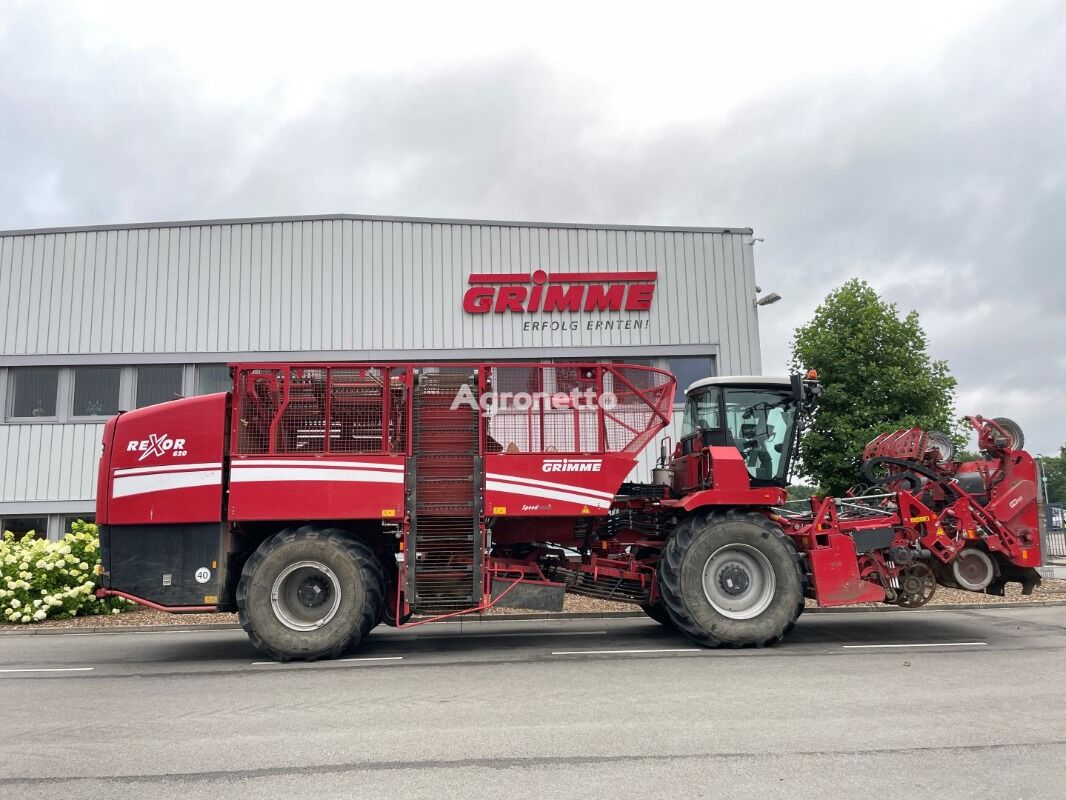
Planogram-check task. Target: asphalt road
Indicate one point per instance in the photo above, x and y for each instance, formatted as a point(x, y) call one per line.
point(970, 704)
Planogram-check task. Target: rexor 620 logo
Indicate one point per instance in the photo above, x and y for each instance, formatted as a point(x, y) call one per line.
point(157, 444)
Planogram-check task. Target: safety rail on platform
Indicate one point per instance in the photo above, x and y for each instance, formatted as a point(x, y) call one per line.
point(365, 409)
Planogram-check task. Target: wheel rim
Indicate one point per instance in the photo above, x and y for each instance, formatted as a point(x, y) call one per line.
point(305, 596)
point(973, 570)
point(738, 581)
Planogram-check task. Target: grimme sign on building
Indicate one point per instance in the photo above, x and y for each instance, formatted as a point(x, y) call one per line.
point(561, 292)
point(111, 317)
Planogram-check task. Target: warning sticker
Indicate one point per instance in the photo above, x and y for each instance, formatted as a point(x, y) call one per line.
point(498, 510)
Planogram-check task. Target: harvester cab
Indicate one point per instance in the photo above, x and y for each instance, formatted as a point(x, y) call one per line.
point(761, 417)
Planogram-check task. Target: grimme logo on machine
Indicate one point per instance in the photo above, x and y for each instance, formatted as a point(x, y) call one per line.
point(528, 293)
point(572, 465)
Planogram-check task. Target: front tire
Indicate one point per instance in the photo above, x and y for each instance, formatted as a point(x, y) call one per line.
point(309, 593)
point(731, 578)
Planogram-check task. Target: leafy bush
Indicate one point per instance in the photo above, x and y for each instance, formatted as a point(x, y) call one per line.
point(42, 580)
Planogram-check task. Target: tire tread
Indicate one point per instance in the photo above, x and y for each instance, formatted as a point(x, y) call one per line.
point(368, 565)
point(673, 556)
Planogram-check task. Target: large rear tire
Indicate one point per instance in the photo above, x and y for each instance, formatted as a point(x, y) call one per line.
point(309, 593)
point(731, 578)
point(657, 611)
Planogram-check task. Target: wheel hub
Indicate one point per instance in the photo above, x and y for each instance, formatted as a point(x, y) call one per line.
point(734, 579)
point(973, 569)
point(312, 592)
point(739, 581)
point(917, 584)
point(911, 584)
point(305, 596)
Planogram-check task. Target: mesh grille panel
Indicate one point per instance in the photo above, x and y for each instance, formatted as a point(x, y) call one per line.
point(544, 409)
point(643, 397)
point(317, 410)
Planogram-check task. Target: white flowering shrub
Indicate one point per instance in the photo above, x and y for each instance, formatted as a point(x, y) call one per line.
point(41, 580)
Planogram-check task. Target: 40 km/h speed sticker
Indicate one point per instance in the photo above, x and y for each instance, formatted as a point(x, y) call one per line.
point(203, 575)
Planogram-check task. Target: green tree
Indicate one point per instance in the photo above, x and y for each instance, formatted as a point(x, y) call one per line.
point(1054, 469)
point(876, 375)
point(802, 491)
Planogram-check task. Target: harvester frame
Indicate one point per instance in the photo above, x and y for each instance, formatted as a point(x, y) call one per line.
point(320, 499)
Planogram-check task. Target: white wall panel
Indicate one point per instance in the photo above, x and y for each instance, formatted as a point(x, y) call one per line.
point(48, 461)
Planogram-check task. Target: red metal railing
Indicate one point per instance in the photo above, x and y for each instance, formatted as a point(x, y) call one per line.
point(365, 408)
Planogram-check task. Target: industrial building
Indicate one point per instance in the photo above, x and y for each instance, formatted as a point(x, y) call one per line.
point(102, 318)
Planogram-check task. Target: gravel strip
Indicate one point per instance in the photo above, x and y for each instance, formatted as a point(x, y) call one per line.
point(1049, 590)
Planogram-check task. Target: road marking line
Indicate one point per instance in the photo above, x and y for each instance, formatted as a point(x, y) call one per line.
point(289, 663)
point(453, 636)
point(374, 658)
point(625, 652)
point(144, 633)
point(50, 669)
point(928, 644)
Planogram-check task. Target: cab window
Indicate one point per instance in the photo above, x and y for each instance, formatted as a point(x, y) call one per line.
point(702, 412)
point(760, 423)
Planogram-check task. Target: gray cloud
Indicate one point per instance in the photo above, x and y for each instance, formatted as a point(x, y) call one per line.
point(946, 189)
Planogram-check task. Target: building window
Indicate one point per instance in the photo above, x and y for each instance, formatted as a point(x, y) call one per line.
point(158, 384)
point(211, 378)
point(689, 369)
point(69, 520)
point(96, 391)
point(23, 525)
point(33, 391)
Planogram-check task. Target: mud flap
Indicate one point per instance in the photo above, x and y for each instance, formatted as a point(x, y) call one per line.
point(534, 596)
point(835, 573)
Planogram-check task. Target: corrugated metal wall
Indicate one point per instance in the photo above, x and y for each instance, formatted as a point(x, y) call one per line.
point(352, 285)
point(359, 287)
point(49, 461)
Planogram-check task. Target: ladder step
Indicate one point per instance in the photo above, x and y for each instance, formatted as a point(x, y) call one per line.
point(446, 524)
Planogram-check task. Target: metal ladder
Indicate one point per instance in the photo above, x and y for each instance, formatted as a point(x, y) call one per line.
point(444, 478)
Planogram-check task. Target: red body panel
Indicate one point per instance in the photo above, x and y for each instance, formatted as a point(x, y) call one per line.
point(333, 487)
point(103, 472)
point(730, 482)
point(835, 572)
point(166, 463)
point(553, 485)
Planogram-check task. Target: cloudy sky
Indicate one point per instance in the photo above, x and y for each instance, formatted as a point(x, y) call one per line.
point(923, 149)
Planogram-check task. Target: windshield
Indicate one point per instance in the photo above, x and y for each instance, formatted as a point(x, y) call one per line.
point(757, 421)
point(760, 422)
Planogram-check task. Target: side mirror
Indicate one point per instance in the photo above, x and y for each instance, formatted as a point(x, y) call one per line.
point(797, 388)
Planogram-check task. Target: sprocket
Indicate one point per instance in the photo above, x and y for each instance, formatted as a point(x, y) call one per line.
point(917, 585)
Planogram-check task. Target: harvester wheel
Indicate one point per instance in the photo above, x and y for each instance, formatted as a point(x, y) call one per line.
point(658, 612)
point(309, 593)
point(731, 578)
point(1013, 431)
